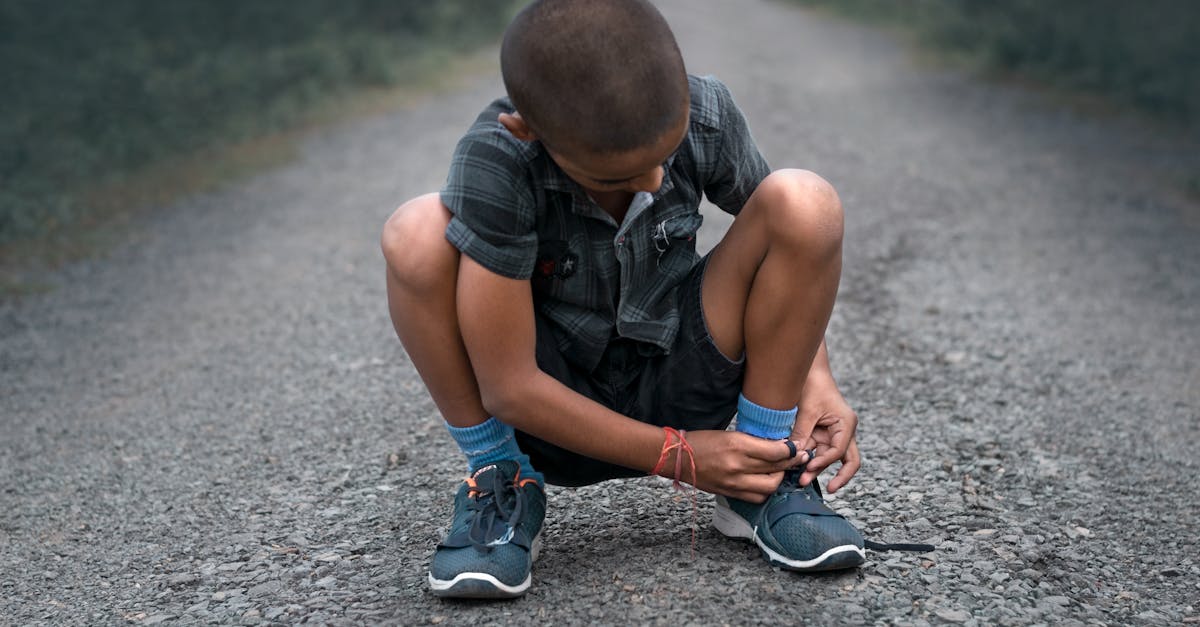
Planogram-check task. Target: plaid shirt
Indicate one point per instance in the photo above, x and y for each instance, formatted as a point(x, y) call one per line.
point(518, 215)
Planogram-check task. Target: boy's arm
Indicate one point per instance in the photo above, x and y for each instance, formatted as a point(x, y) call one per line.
point(828, 424)
point(497, 322)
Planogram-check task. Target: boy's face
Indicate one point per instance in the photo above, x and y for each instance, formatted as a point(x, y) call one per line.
point(637, 170)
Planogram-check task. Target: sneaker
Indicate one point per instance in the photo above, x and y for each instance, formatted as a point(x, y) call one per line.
point(494, 536)
point(795, 529)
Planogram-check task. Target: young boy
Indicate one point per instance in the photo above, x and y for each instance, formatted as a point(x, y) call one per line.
point(552, 301)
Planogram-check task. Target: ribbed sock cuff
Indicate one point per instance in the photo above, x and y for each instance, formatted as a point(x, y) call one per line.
point(482, 439)
point(491, 441)
point(763, 422)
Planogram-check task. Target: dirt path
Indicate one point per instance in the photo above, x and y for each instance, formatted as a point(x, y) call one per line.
point(215, 423)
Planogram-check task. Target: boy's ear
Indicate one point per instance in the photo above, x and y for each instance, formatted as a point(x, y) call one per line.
point(517, 126)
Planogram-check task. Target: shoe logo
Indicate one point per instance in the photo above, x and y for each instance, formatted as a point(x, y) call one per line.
point(504, 539)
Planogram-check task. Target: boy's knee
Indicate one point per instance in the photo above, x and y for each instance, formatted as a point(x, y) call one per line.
point(802, 209)
point(414, 243)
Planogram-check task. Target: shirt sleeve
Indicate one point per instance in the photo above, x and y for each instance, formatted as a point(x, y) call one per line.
point(492, 203)
point(739, 166)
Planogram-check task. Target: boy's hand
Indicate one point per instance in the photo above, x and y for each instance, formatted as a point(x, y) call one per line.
point(735, 464)
point(826, 422)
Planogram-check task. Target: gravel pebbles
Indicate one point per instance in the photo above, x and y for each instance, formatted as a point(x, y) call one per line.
point(215, 424)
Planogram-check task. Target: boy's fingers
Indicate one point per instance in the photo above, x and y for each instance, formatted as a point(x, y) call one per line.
point(810, 472)
point(766, 484)
point(773, 456)
point(851, 461)
point(825, 457)
point(803, 432)
point(772, 450)
point(796, 455)
point(786, 454)
point(839, 444)
point(850, 465)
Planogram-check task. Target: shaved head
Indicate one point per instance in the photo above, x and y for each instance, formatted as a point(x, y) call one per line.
point(598, 75)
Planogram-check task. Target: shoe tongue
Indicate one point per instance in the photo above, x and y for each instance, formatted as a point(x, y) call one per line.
point(484, 474)
point(791, 483)
point(494, 473)
point(496, 497)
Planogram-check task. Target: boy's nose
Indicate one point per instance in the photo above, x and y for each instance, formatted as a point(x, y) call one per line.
point(648, 182)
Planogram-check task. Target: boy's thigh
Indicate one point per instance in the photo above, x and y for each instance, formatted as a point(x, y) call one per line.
point(694, 387)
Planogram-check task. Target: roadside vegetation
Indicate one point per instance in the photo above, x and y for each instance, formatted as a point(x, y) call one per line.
point(118, 103)
point(1144, 54)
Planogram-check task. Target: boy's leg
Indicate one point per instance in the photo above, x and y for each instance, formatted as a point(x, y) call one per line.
point(767, 294)
point(422, 271)
point(473, 561)
point(770, 285)
point(422, 268)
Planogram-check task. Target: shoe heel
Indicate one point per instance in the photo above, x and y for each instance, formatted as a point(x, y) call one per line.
point(729, 523)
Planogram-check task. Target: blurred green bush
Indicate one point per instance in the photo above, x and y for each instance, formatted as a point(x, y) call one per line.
point(1144, 52)
point(94, 88)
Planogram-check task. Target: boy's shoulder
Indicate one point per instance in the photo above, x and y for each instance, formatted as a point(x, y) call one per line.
point(487, 134)
point(710, 97)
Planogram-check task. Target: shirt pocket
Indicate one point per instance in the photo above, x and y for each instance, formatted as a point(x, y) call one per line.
point(673, 242)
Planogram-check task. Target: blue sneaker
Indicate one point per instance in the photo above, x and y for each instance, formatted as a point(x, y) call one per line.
point(795, 529)
point(494, 536)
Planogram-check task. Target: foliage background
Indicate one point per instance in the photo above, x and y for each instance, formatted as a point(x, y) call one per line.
point(96, 89)
point(1145, 53)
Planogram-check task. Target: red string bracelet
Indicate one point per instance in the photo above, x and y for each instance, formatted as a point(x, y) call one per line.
point(680, 446)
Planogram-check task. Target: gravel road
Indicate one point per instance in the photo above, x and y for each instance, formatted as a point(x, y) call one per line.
point(215, 423)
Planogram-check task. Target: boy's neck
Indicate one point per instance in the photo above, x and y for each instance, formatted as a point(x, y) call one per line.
point(615, 204)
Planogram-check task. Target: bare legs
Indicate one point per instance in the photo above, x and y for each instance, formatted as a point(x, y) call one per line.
point(771, 283)
point(422, 273)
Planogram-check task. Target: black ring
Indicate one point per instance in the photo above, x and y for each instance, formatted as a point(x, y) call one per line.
point(791, 448)
point(812, 452)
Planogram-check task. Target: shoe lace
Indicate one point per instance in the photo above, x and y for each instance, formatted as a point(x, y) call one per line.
point(791, 485)
point(496, 509)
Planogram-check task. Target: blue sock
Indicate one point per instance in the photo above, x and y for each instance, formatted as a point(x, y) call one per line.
point(762, 422)
point(492, 441)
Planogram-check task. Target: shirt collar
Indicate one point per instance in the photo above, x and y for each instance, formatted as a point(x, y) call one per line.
point(553, 178)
